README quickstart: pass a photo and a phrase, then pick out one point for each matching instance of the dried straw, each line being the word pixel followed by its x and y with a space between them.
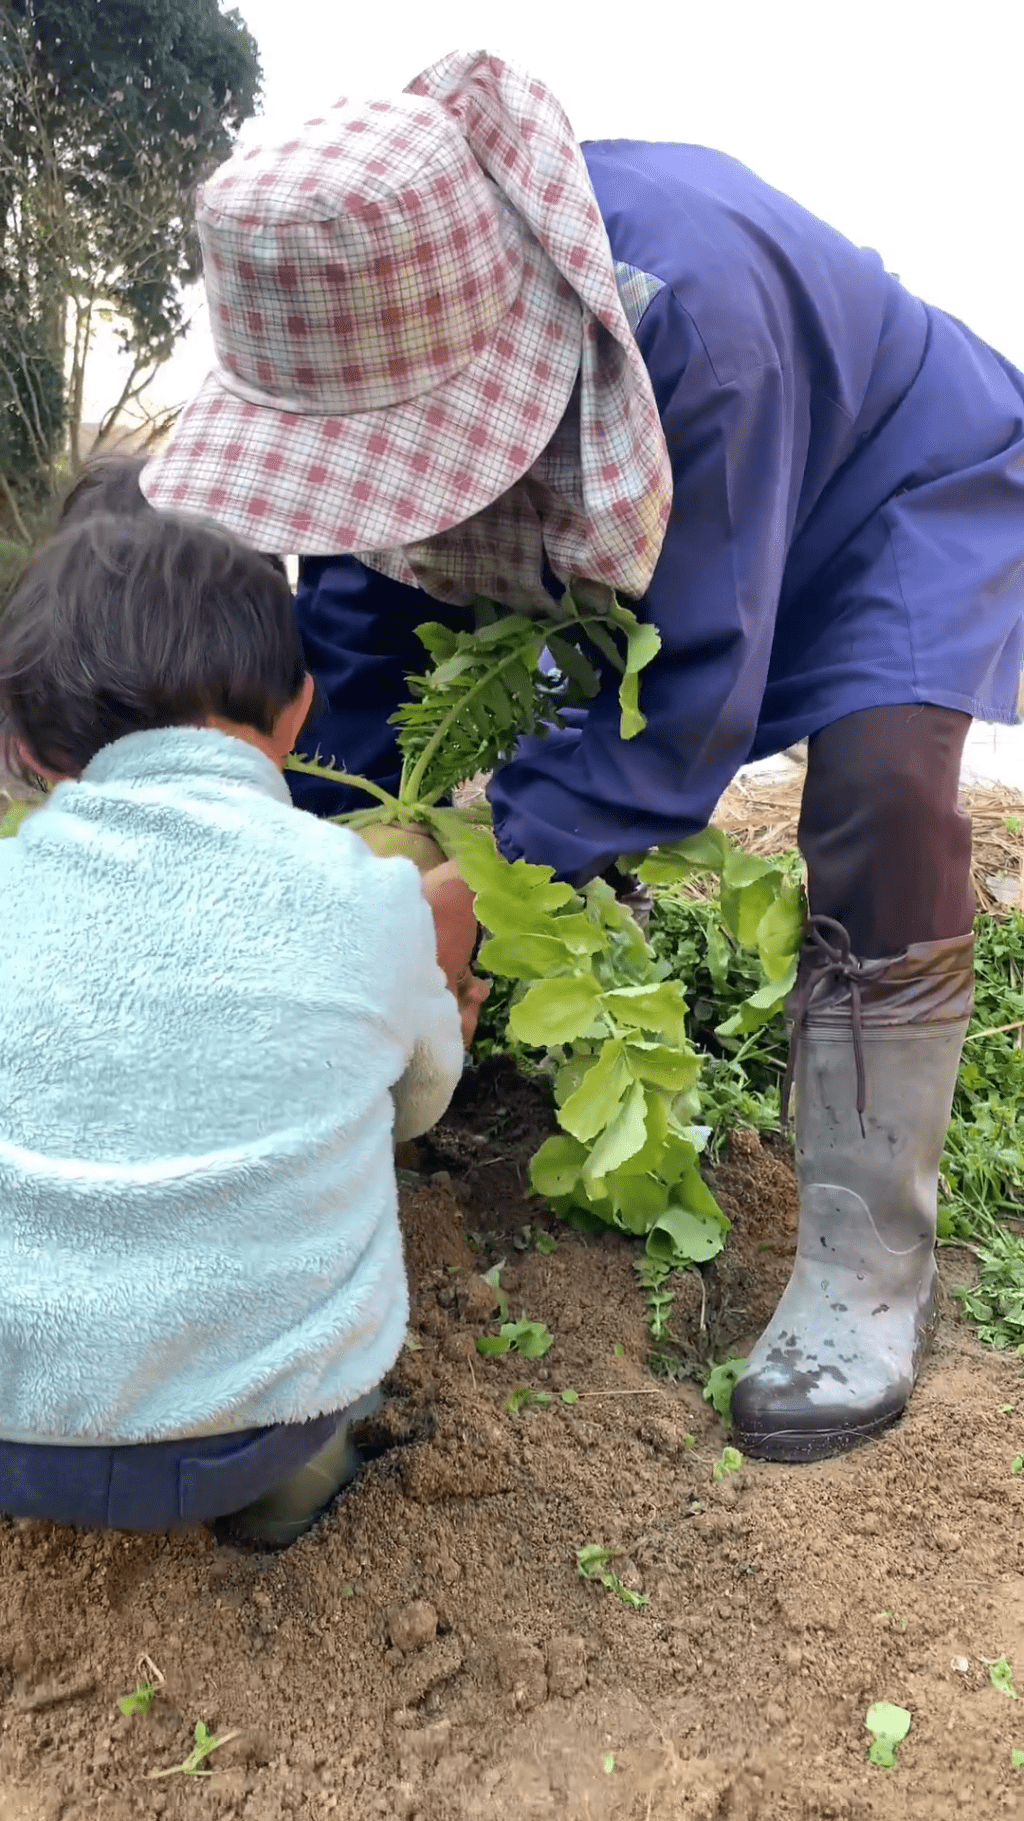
pixel 760 813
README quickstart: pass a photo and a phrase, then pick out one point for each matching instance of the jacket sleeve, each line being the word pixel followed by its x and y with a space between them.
pixel 359 637
pixel 430 1019
pixel 580 799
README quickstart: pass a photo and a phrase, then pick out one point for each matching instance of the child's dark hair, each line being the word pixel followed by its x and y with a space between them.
pixel 109 484
pixel 122 624
pixel 113 483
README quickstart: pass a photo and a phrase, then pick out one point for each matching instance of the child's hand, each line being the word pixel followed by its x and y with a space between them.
pixel 470 993
pixel 455 923
pixel 456 927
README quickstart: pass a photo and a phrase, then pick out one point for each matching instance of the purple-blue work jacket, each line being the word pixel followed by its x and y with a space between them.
pixel 847 528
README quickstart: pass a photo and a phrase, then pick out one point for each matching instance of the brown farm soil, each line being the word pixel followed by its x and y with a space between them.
pixel 430 1650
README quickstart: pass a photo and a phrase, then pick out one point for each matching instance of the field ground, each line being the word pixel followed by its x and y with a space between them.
pixel 783 1601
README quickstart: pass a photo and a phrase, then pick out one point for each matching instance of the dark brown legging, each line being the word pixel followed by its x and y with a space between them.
pixel 888 852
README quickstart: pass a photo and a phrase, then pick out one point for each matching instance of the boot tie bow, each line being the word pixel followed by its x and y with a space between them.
pixel 828 957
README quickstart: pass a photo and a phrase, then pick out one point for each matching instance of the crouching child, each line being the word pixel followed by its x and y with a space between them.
pixel 217 1016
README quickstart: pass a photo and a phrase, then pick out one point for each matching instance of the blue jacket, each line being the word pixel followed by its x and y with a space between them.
pixel 847 528
pixel 216 1012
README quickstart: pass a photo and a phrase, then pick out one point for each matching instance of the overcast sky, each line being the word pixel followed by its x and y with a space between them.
pixel 899 121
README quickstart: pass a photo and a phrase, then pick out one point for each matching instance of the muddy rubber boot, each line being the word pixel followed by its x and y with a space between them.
pixel 283 1515
pixel 876 1050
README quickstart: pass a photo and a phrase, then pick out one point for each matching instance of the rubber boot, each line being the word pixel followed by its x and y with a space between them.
pixel 876 1051
pixel 285 1513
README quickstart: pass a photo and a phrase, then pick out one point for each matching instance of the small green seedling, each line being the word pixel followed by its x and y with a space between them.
pixel 608 1763
pixel 1017 1464
pixel 891 1614
pixel 592 1563
pixel 718 1386
pixel 570 1397
pixel 888 1726
pixel 530 1338
pixel 730 1461
pixel 689 1441
pixel 523 1396
pixel 1013 825
pixel 545 1242
pixel 347 1592
pixel 492 1279
pixel 620 1351
pixel 1007 1409
pixel 141 1701
pixel 1016 1759
pixel 205 1743
pixel 1001 1676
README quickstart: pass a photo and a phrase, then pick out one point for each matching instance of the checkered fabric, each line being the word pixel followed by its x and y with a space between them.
pixel 421 352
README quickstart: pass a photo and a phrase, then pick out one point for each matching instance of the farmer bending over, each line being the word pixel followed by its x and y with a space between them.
pixel 458 354
pixel 217 1013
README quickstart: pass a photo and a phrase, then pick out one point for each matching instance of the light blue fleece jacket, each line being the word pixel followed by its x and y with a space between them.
pixel 215 1014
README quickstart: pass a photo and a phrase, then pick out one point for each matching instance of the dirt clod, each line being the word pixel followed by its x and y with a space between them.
pixel 413 1626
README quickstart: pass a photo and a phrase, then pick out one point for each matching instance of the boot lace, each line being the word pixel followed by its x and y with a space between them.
pixel 829 957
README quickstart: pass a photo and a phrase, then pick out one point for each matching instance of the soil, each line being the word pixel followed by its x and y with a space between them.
pixel 431 1652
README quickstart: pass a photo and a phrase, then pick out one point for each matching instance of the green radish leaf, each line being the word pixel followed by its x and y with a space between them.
pixel 492 1279
pixel 556 1011
pixel 599 1095
pixel 718 1386
pixel 638 1201
pixel 526 957
pixel 780 932
pixel 761 1007
pixel 662 1066
pixel 693 1192
pixel 890 1726
pixel 493 1343
pixel 741 869
pixel 573 664
pixel 620 1140
pixel 1001 1677
pixel 673 863
pixel 719 955
pixel 530 1338
pixel 557 1166
pixel 744 906
pixel 570 1397
pixel 651 1008
pixel 681 1237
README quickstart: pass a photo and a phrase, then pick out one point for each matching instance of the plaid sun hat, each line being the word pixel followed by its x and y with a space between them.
pixel 421 355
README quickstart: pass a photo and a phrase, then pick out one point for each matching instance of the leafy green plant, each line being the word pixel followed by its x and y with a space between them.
pixel 730 1461
pixel 205 1743
pixel 889 1726
pixel 1016 1759
pixel 1001 1676
pixel 590 994
pixel 530 1338
pixel 996 1303
pixel 652 1273
pixel 141 1701
pixel 569 1396
pixel 592 1565
pixel 718 1386
pixel 523 1396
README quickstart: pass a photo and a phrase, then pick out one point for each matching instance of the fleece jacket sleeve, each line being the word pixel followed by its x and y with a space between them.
pixel 431 1015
